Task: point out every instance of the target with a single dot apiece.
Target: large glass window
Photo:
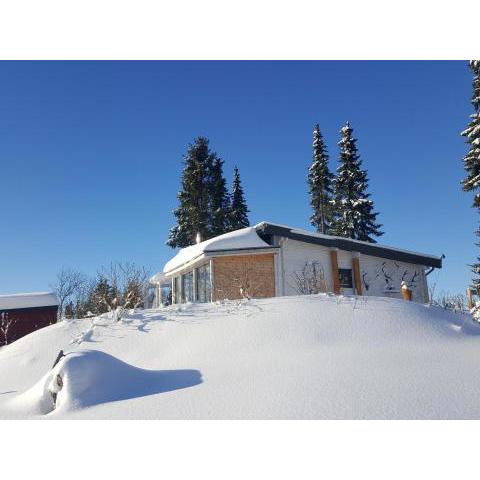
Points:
(203, 283)
(176, 290)
(166, 293)
(187, 287)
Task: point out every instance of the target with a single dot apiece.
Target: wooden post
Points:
(469, 298)
(356, 274)
(406, 292)
(335, 277)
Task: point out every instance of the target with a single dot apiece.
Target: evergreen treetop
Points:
(192, 212)
(320, 180)
(219, 199)
(471, 161)
(354, 213)
(238, 205)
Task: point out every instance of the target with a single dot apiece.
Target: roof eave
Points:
(350, 245)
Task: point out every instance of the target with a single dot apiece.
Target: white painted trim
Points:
(194, 284)
(283, 241)
(211, 280)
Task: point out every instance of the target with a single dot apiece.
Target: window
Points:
(203, 283)
(176, 290)
(150, 297)
(345, 277)
(187, 287)
(166, 293)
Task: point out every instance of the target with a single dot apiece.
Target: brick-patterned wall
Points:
(255, 274)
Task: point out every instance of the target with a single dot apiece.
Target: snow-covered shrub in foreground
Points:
(475, 311)
(89, 377)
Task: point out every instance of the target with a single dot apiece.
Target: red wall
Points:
(27, 320)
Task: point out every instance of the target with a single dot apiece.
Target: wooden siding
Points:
(27, 320)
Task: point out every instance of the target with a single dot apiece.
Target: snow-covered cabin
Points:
(270, 260)
(23, 313)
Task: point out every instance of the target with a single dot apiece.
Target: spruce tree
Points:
(219, 199)
(471, 161)
(320, 181)
(101, 297)
(238, 205)
(354, 214)
(192, 214)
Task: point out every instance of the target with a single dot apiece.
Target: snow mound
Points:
(244, 238)
(90, 377)
(300, 357)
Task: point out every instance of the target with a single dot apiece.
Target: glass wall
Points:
(166, 293)
(176, 290)
(187, 287)
(203, 283)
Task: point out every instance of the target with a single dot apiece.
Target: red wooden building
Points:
(23, 313)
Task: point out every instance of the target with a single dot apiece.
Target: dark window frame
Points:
(345, 277)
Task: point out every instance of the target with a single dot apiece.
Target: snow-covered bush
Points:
(455, 302)
(70, 287)
(116, 288)
(475, 311)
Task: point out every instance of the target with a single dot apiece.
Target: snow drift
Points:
(311, 357)
(87, 377)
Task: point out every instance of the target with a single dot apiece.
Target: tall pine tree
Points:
(219, 199)
(320, 181)
(203, 198)
(238, 205)
(354, 214)
(471, 161)
(192, 213)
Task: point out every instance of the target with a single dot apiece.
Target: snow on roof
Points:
(242, 239)
(28, 300)
(159, 277)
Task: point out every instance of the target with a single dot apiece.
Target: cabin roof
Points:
(267, 229)
(28, 300)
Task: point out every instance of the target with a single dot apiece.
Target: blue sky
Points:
(90, 153)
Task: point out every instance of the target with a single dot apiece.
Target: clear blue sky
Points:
(91, 152)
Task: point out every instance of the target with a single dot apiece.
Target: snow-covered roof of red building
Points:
(28, 300)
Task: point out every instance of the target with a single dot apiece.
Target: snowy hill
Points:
(294, 357)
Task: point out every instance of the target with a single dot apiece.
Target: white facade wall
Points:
(379, 276)
(294, 255)
(382, 278)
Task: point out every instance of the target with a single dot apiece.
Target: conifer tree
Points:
(101, 297)
(192, 214)
(238, 206)
(219, 199)
(471, 161)
(354, 214)
(320, 180)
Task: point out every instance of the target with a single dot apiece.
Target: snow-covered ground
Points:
(308, 357)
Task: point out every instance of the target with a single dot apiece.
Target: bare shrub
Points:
(6, 321)
(310, 279)
(246, 286)
(125, 287)
(69, 287)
